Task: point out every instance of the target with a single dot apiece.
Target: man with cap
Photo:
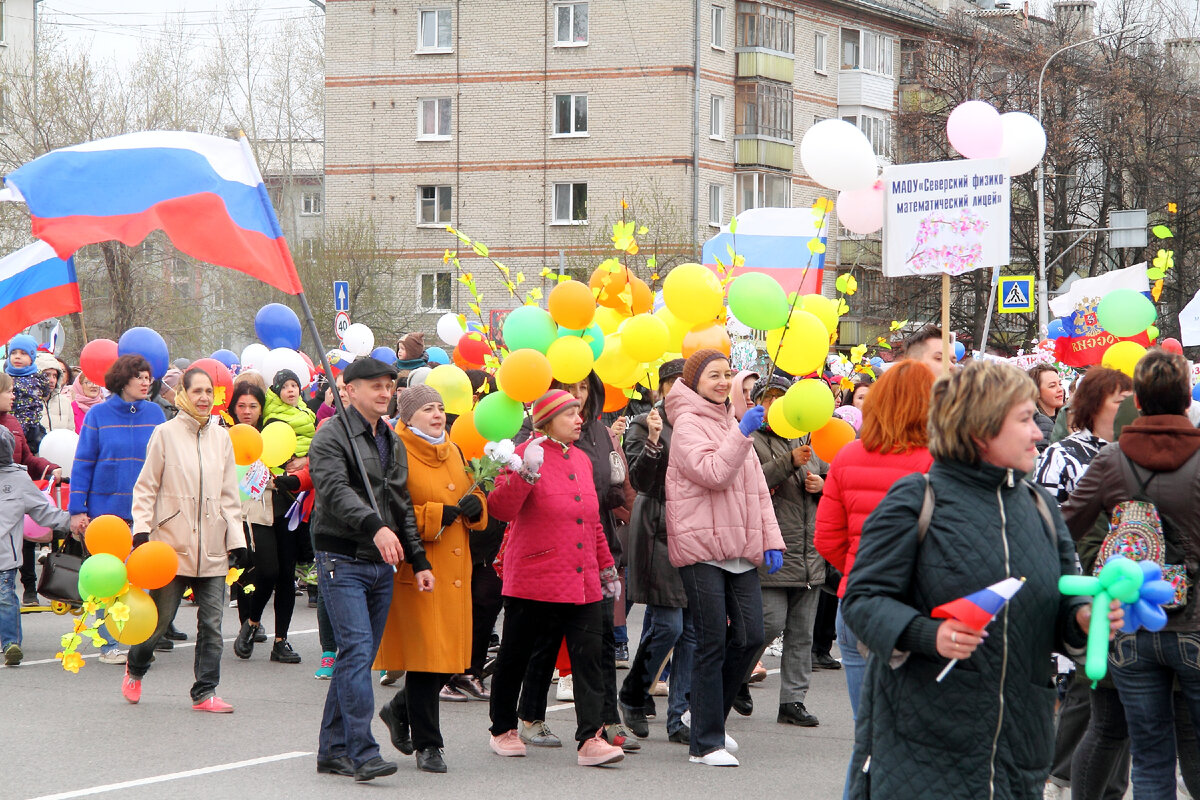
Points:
(361, 531)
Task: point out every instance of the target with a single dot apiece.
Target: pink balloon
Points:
(975, 130)
(34, 532)
(861, 210)
(1172, 345)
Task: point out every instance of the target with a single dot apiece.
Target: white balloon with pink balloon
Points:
(975, 130)
(838, 156)
(1024, 141)
(861, 210)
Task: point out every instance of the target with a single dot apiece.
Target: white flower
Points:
(514, 462)
(502, 450)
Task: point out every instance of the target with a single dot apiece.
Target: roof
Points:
(290, 156)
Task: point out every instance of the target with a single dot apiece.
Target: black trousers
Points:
(418, 703)
(486, 603)
(524, 622)
(540, 672)
(274, 573)
(825, 626)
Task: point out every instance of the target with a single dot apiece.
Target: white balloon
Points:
(254, 356)
(838, 156)
(861, 211)
(1024, 141)
(58, 447)
(449, 330)
(282, 358)
(418, 376)
(358, 339)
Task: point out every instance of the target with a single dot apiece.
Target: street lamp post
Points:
(1043, 288)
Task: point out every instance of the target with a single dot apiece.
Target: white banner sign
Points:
(946, 216)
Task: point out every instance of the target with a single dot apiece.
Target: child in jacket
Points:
(283, 403)
(31, 388)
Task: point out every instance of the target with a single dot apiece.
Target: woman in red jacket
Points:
(892, 444)
(557, 569)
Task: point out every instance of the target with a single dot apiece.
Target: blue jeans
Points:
(855, 667)
(662, 635)
(357, 595)
(727, 614)
(10, 609)
(1144, 666)
(211, 597)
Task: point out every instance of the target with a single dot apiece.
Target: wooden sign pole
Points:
(947, 351)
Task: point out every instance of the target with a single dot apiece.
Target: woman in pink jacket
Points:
(557, 568)
(720, 526)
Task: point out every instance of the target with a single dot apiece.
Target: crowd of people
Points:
(732, 535)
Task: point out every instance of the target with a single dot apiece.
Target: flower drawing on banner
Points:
(948, 244)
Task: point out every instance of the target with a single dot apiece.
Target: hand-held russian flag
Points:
(35, 284)
(205, 192)
(977, 609)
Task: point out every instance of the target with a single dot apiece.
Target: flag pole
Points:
(946, 671)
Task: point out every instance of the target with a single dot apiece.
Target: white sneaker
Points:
(717, 758)
(113, 657)
(566, 689)
(730, 744)
(686, 718)
(1053, 791)
(775, 648)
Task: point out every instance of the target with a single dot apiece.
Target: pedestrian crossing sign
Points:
(1016, 294)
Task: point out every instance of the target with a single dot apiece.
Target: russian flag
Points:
(35, 284)
(204, 192)
(773, 241)
(977, 610)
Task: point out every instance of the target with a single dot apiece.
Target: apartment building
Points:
(524, 123)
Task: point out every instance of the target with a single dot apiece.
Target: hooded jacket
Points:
(108, 459)
(718, 503)
(652, 579)
(795, 510)
(18, 497)
(1166, 450)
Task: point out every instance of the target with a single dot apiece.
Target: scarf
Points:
(185, 404)
(432, 440)
(82, 400)
(20, 372)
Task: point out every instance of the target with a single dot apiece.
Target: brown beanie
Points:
(694, 367)
(413, 398)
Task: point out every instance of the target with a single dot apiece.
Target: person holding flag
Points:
(947, 546)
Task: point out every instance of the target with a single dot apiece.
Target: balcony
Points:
(761, 63)
(858, 87)
(757, 151)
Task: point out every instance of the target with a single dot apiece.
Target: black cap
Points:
(762, 386)
(366, 368)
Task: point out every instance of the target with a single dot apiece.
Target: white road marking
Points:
(565, 706)
(178, 646)
(172, 776)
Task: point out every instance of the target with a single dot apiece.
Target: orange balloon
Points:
(614, 399)
(830, 439)
(706, 335)
(643, 298)
(572, 305)
(152, 565)
(108, 534)
(461, 362)
(525, 375)
(247, 444)
(463, 434)
(607, 286)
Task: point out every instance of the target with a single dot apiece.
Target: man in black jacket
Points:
(361, 533)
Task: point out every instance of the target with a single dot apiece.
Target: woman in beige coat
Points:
(187, 496)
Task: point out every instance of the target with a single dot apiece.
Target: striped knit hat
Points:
(549, 405)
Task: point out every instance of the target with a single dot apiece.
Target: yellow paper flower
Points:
(232, 576)
(1172, 208)
(119, 612)
(71, 662)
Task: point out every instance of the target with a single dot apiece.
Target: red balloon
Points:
(1172, 346)
(313, 372)
(474, 348)
(221, 378)
(96, 357)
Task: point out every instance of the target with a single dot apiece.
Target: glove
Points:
(471, 507)
(289, 483)
(449, 514)
(140, 539)
(239, 558)
(610, 583)
(774, 561)
(752, 420)
(535, 456)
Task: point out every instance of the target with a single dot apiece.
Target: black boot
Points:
(395, 717)
(174, 634)
(743, 703)
(796, 714)
(283, 652)
(243, 645)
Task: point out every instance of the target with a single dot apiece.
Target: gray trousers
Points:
(791, 610)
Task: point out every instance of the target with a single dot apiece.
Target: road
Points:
(67, 736)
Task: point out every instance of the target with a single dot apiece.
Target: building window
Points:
(768, 27)
(571, 24)
(435, 291)
(4, 20)
(434, 205)
(434, 33)
(867, 51)
(716, 204)
(716, 123)
(434, 122)
(718, 27)
(310, 248)
(819, 40)
(312, 203)
(570, 203)
(570, 114)
(878, 130)
(764, 108)
(763, 190)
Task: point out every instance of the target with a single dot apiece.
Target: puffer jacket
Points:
(718, 504)
(651, 579)
(300, 417)
(795, 511)
(58, 414)
(189, 472)
(857, 482)
(29, 398)
(555, 545)
(21, 497)
(987, 730)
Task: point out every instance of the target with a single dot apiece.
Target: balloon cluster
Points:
(278, 348)
(977, 130)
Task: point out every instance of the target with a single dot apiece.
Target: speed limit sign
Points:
(341, 321)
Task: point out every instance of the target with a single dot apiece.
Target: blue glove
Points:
(774, 561)
(752, 420)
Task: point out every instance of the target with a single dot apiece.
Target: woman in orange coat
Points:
(428, 634)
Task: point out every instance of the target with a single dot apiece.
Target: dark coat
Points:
(651, 579)
(795, 510)
(990, 723)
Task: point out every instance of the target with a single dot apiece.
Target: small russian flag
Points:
(976, 610)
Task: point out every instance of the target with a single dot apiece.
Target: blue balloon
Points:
(385, 354)
(592, 335)
(147, 344)
(226, 357)
(1055, 330)
(437, 355)
(960, 351)
(876, 363)
(1196, 392)
(277, 326)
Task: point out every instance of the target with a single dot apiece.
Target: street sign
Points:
(1128, 228)
(1016, 294)
(341, 322)
(341, 296)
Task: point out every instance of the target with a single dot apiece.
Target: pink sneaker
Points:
(597, 752)
(131, 688)
(508, 744)
(214, 705)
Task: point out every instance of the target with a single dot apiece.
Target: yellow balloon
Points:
(779, 422)
(143, 618)
(570, 359)
(1123, 356)
(693, 293)
(808, 404)
(614, 365)
(676, 327)
(454, 386)
(804, 347)
(644, 337)
(609, 319)
(822, 308)
(279, 443)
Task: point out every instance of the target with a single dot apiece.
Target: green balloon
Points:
(102, 575)
(498, 417)
(757, 300)
(529, 327)
(1124, 312)
(241, 473)
(1096, 663)
(593, 335)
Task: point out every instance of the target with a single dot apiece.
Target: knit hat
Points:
(23, 341)
(550, 405)
(670, 369)
(172, 378)
(762, 386)
(45, 361)
(282, 377)
(412, 399)
(412, 347)
(694, 367)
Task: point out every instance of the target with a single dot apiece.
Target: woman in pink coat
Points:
(720, 526)
(556, 569)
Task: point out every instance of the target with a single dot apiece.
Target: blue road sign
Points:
(341, 295)
(1016, 294)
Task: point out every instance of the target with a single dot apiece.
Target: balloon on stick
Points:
(276, 325)
(861, 210)
(837, 155)
(58, 447)
(148, 344)
(975, 130)
(1024, 141)
(152, 565)
(95, 359)
(108, 534)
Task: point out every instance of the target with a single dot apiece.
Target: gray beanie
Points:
(413, 398)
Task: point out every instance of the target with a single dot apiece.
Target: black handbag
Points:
(60, 573)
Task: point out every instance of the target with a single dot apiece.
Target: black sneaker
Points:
(796, 714)
(30, 598)
(174, 634)
(283, 653)
(635, 720)
(243, 645)
(430, 760)
(622, 655)
(825, 661)
(743, 703)
(682, 735)
(164, 644)
(649, 709)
